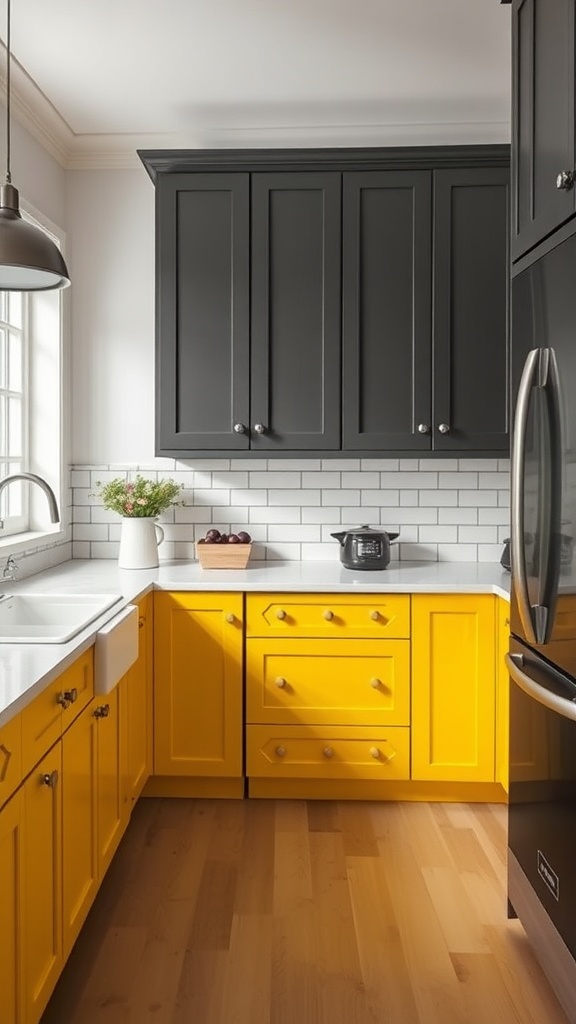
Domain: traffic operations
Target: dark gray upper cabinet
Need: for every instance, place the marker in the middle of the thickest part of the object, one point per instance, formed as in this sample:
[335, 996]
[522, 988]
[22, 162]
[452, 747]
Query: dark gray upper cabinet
[248, 353]
[543, 140]
[470, 310]
[425, 310]
[324, 301]
[387, 323]
[295, 323]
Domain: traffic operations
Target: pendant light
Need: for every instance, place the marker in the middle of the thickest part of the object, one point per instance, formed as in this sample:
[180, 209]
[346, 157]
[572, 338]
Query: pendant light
[29, 259]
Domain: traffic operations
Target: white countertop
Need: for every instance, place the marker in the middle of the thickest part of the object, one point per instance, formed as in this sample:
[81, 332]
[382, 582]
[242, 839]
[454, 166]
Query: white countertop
[25, 669]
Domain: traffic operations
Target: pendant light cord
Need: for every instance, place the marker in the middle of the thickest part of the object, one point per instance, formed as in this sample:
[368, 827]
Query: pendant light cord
[8, 90]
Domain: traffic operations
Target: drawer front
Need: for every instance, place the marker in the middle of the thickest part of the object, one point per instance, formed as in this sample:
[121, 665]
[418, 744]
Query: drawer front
[337, 752]
[53, 710]
[10, 757]
[343, 682]
[328, 615]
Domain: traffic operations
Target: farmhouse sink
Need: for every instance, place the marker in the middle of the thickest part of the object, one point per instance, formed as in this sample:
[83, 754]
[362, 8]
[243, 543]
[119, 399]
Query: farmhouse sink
[49, 618]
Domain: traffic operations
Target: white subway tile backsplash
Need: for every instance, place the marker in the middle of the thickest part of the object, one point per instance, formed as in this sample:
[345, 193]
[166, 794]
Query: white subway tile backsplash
[446, 509]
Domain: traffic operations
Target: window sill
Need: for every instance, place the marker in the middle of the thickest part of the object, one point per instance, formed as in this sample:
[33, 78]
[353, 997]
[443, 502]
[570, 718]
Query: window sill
[32, 540]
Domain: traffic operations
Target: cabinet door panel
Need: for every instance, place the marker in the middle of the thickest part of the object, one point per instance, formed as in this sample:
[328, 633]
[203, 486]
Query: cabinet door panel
[471, 376]
[11, 909]
[543, 118]
[295, 333]
[386, 276]
[10, 757]
[111, 807]
[453, 691]
[136, 697]
[203, 308]
[79, 852]
[198, 684]
[43, 882]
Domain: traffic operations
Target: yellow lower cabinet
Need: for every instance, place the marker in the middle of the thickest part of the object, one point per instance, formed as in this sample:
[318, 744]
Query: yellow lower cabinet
[11, 909]
[42, 866]
[344, 682]
[111, 802]
[329, 752]
[198, 674]
[136, 698]
[453, 687]
[79, 835]
[502, 692]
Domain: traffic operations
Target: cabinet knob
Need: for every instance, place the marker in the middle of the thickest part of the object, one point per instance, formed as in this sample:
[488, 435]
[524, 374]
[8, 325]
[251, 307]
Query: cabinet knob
[375, 615]
[63, 699]
[423, 428]
[506, 622]
[375, 753]
[280, 614]
[280, 682]
[444, 428]
[375, 683]
[102, 711]
[239, 428]
[71, 695]
[50, 779]
[328, 615]
[280, 751]
[141, 622]
[230, 617]
[259, 428]
[565, 180]
[328, 752]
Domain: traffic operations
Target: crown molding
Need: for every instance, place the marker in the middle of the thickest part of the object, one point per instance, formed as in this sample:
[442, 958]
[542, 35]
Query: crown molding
[38, 116]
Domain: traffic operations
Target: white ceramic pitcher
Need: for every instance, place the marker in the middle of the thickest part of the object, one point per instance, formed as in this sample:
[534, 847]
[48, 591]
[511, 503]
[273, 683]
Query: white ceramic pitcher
[139, 542]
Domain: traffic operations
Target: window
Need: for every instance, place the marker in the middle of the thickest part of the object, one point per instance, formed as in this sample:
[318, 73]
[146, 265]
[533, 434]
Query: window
[13, 407]
[32, 411]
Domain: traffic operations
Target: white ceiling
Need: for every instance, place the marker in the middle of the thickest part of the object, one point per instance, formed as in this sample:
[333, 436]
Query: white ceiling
[96, 79]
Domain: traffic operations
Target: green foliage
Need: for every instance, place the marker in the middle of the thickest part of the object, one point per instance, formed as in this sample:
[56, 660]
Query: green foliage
[139, 497]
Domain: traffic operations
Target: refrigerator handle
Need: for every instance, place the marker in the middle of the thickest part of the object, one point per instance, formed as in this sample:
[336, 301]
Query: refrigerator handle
[552, 701]
[553, 501]
[527, 382]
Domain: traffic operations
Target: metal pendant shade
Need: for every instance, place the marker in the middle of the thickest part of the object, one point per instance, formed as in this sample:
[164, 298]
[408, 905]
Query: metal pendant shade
[29, 259]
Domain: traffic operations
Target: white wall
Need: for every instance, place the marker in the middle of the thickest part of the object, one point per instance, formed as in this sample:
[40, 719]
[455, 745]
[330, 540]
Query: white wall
[111, 226]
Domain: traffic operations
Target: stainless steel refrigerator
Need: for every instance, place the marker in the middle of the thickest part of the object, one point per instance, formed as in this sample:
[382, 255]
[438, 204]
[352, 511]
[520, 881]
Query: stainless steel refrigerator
[542, 657]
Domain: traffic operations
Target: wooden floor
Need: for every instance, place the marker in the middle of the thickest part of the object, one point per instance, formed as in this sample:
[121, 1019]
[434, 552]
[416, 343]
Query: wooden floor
[287, 912]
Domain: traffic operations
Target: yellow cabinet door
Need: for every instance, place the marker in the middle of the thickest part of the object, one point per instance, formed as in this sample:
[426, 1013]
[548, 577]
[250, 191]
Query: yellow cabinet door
[79, 851]
[453, 687]
[11, 909]
[502, 692]
[198, 684]
[111, 812]
[42, 931]
[136, 708]
[344, 682]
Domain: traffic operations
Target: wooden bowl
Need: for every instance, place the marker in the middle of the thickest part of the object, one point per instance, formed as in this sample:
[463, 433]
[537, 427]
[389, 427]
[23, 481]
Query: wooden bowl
[223, 556]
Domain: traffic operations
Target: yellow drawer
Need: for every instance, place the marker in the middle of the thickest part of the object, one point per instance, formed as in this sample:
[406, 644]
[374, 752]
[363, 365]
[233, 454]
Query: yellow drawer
[342, 682]
[53, 710]
[328, 615]
[10, 757]
[337, 752]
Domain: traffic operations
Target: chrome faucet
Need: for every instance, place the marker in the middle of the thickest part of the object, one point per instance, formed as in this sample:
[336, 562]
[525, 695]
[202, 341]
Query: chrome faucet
[34, 479]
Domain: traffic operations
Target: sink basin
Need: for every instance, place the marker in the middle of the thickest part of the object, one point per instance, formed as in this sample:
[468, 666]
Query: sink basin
[49, 618]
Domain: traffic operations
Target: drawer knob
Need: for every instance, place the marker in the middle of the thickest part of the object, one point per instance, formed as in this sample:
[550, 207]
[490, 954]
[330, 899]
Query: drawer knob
[375, 683]
[50, 779]
[375, 753]
[328, 752]
[280, 682]
[328, 615]
[280, 614]
[280, 751]
[375, 615]
[102, 711]
[64, 700]
[230, 618]
[141, 622]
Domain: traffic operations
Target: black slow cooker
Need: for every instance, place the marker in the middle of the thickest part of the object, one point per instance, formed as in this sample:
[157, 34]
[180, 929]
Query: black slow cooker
[364, 547]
